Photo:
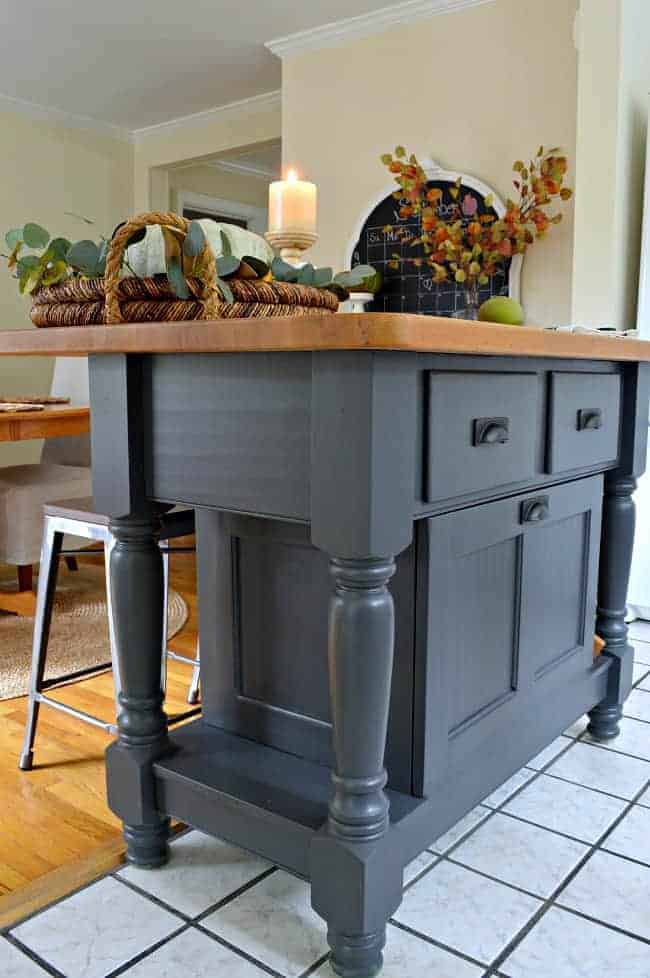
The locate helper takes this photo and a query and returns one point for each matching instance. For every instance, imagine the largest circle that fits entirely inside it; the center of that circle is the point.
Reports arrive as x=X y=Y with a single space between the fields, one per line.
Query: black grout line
x=232 y=896
x=628 y=859
x=585 y=738
x=153 y=899
x=629 y=716
x=552 y=899
x=436 y=858
x=495 y=879
x=580 y=784
x=79 y=889
x=548 y=902
x=164 y=905
x=188 y=922
x=603 y=923
x=239 y=951
x=66 y=896
x=546 y=828
x=49 y=969
x=121 y=969
x=439 y=944
x=491 y=812
x=313 y=968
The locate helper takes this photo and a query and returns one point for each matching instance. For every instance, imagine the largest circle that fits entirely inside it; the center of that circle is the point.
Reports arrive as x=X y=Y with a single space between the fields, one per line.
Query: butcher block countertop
x=347 y=331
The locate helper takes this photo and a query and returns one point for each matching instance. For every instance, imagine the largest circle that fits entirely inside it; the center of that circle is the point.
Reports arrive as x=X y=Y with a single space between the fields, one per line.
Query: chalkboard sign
x=412 y=289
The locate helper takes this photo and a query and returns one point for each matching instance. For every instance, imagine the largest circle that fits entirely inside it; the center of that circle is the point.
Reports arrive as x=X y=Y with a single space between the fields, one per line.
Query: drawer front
x=482 y=431
x=584 y=420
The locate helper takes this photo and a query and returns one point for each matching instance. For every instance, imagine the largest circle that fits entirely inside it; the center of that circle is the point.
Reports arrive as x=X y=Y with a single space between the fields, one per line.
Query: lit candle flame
x=292 y=176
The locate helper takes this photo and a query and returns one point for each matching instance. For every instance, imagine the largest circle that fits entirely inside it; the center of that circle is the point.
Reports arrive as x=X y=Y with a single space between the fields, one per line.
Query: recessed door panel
x=483 y=670
x=506 y=610
x=554 y=594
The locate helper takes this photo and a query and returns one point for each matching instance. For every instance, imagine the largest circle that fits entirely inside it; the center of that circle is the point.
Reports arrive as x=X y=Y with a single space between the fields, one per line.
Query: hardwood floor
x=56 y=830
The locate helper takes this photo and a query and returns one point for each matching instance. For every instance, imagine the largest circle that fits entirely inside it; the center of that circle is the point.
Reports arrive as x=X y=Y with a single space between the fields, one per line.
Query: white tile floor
x=548 y=878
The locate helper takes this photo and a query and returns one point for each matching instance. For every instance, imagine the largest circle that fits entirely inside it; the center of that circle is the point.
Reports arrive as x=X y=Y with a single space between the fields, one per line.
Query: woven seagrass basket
x=112 y=299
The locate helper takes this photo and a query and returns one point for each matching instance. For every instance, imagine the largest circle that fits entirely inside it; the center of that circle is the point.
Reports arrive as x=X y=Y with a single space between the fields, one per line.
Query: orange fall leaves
x=470 y=247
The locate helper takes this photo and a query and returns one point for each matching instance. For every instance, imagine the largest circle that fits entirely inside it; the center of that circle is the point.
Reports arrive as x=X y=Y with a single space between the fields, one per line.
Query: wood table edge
x=346 y=331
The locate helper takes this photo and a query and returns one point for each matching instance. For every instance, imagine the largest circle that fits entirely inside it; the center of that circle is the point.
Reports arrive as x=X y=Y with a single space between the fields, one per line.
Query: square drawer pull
x=535 y=510
x=491 y=431
x=590 y=419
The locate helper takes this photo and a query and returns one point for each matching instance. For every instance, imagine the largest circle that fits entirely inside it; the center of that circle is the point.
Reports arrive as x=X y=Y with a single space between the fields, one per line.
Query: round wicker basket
x=112 y=299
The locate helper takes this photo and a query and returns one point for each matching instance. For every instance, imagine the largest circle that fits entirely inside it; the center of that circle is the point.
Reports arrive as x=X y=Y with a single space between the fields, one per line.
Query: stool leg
x=193 y=694
x=50 y=550
x=25 y=577
x=109 y=543
x=165 y=560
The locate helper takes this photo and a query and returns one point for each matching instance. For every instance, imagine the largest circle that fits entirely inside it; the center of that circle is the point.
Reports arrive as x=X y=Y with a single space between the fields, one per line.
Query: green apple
x=501 y=309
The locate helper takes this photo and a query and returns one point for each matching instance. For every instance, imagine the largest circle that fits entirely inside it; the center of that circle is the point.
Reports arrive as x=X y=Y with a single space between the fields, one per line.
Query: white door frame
x=256 y=217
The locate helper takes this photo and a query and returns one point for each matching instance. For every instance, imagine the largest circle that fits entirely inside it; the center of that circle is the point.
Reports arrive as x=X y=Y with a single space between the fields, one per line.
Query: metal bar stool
x=77 y=519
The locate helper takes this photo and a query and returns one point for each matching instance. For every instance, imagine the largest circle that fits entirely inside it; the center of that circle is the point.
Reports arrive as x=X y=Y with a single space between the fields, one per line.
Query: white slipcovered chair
x=62 y=473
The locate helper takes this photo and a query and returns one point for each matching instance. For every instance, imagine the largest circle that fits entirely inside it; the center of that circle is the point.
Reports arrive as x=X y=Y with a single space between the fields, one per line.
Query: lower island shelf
x=250 y=794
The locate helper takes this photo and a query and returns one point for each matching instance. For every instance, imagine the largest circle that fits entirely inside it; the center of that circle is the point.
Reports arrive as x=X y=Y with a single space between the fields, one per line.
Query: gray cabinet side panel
x=231 y=431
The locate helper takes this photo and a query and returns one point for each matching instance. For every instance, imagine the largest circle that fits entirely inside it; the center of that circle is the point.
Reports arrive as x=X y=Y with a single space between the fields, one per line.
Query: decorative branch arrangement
x=469 y=248
x=38 y=261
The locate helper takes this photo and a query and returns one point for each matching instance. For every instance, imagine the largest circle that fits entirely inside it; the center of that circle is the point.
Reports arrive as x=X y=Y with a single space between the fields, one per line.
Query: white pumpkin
x=147 y=257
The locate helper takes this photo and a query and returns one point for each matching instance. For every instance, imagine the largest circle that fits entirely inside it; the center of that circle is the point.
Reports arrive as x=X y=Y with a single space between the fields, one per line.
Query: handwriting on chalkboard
x=387 y=238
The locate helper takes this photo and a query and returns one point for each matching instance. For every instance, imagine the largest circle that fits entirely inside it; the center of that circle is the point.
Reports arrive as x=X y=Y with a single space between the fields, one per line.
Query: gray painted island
x=409 y=531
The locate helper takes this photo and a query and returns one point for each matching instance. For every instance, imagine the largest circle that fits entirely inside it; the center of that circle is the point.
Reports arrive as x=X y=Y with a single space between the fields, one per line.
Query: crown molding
x=245 y=169
x=267 y=102
x=365 y=25
x=45 y=113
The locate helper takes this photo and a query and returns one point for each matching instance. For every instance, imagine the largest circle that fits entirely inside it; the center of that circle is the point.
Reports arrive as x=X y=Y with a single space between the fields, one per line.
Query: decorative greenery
x=36 y=270
x=185 y=257
x=470 y=248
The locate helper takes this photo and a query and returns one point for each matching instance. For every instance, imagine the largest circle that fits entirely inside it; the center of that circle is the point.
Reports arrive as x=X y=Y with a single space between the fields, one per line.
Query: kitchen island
x=409 y=530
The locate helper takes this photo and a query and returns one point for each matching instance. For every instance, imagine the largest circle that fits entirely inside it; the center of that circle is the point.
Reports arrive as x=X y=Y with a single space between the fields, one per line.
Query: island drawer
x=482 y=431
x=584 y=420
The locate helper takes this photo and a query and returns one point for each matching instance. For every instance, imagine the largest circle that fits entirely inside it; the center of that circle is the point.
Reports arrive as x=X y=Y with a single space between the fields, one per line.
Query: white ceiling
x=138 y=63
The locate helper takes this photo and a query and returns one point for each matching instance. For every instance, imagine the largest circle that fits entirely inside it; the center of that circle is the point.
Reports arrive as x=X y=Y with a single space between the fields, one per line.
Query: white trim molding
x=256 y=217
x=365 y=25
x=435 y=172
x=47 y=113
x=244 y=169
x=266 y=102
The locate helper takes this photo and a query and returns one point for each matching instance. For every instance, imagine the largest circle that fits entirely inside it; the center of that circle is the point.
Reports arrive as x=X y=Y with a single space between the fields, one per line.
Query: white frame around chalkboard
x=435 y=172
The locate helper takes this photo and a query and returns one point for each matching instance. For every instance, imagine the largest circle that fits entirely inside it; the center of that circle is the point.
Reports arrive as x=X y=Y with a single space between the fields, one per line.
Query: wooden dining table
x=54 y=421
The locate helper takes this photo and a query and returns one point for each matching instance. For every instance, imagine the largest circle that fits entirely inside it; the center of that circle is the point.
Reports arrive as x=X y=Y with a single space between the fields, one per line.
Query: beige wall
x=46 y=170
x=202 y=179
x=614 y=84
x=475 y=90
x=156 y=151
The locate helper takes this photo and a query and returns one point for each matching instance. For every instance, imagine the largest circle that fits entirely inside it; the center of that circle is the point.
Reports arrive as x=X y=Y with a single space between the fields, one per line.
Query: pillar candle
x=292 y=204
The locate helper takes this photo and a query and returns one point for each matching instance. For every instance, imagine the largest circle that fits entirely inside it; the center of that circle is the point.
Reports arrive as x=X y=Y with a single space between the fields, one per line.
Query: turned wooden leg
x=615 y=562
x=351 y=888
x=137 y=588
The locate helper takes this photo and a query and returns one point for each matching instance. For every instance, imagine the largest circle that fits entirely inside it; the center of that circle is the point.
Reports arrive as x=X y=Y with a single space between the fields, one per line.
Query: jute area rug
x=79 y=633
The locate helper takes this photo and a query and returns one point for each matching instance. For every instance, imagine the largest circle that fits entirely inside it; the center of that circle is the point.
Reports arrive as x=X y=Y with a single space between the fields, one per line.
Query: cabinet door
x=263 y=598
x=506 y=616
